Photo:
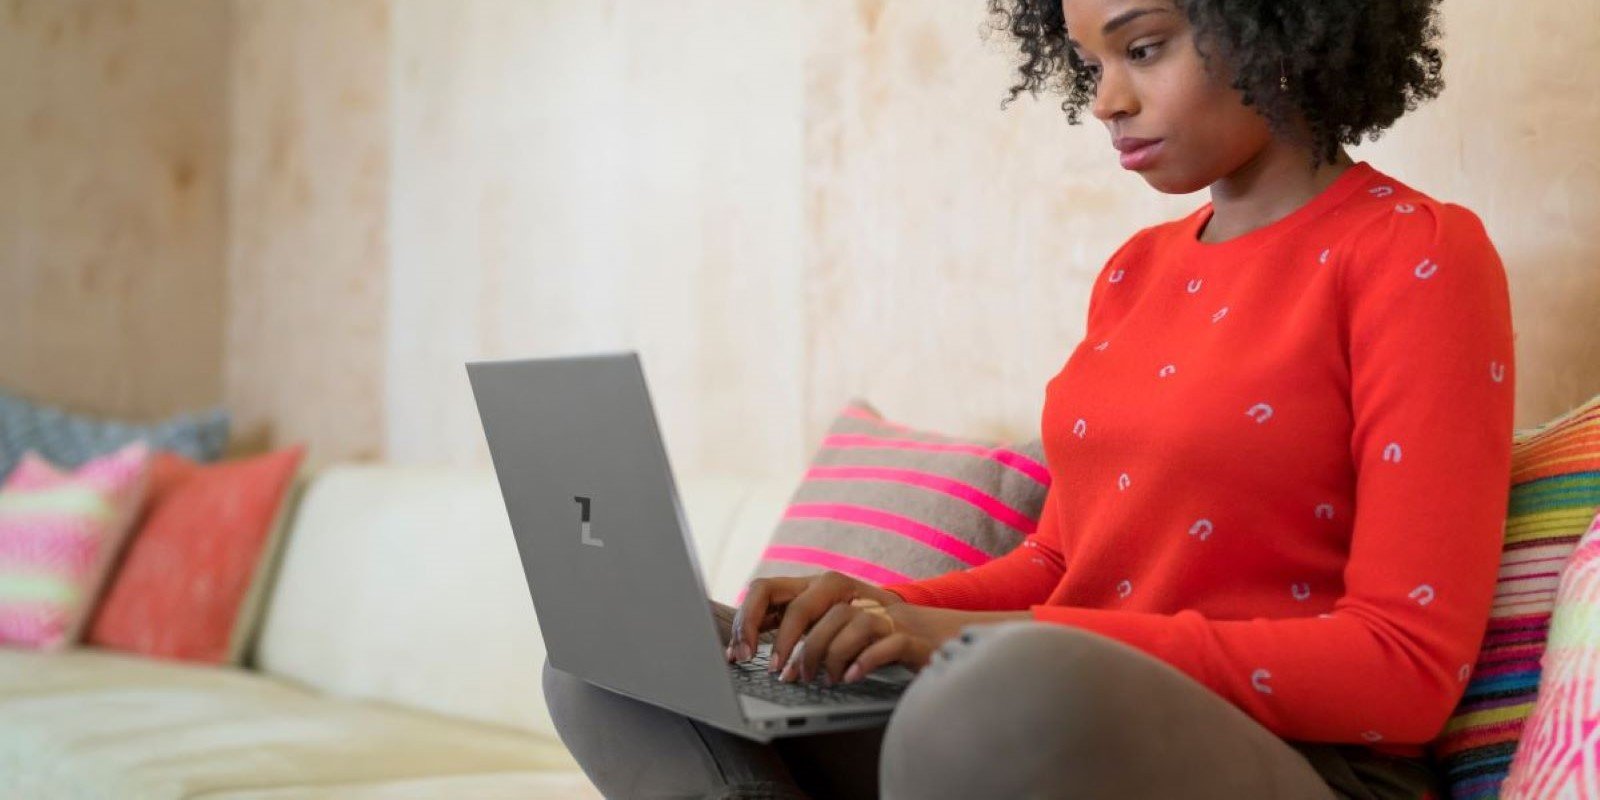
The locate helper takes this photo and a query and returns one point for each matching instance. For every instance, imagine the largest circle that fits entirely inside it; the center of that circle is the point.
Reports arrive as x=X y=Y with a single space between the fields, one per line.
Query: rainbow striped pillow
x=60 y=534
x=1557 y=755
x=1555 y=491
x=886 y=503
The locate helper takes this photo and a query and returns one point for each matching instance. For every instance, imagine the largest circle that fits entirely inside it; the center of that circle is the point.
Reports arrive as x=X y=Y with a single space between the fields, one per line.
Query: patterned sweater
x=1280 y=463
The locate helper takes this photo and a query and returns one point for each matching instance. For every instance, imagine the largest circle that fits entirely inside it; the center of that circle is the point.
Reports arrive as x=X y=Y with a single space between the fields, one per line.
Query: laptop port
x=795 y=723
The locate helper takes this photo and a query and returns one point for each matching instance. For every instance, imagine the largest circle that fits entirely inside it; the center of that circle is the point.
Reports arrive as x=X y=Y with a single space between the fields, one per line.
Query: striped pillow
x=886 y=503
x=60 y=534
x=1555 y=491
x=1557 y=755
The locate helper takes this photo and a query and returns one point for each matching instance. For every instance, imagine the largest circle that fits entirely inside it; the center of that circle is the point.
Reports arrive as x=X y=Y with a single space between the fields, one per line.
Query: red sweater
x=1281 y=463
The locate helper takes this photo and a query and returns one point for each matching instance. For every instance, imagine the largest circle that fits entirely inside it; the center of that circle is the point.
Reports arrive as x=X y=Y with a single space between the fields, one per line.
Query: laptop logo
x=583 y=506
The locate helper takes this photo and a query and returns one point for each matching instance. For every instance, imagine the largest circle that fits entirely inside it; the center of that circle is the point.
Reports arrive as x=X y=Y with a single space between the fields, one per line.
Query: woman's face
x=1151 y=83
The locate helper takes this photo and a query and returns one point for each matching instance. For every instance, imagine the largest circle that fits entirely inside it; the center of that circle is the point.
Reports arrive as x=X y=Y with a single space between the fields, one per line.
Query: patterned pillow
x=1557 y=755
x=886 y=503
x=183 y=588
x=59 y=536
x=69 y=440
x=1555 y=490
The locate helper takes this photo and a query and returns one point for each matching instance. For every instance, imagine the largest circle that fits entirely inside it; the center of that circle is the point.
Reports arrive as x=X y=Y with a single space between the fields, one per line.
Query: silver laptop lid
x=603 y=539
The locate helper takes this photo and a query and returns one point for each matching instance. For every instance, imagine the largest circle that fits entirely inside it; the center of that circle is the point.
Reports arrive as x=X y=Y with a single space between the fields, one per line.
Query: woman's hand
x=820 y=632
x=849 y=643
x=794 y=606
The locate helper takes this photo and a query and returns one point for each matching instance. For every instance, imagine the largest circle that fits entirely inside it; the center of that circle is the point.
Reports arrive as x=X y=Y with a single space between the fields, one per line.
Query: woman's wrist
x=880 y=594
x=907 y=618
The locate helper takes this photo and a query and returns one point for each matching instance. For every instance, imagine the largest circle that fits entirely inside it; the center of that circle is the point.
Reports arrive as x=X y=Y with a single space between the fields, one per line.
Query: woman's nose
x=1112 y=97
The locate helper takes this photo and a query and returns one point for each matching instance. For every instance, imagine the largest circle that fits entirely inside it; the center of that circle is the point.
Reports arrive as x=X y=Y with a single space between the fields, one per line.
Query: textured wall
x=112 y=148
x=780 y=204
x=308 y=224
x=575 y=176
x=594 y=176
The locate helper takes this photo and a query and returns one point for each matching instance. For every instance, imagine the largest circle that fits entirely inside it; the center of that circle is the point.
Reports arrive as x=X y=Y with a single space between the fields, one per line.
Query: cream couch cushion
x=89 y=723
x=403 y=584
x=397 y=585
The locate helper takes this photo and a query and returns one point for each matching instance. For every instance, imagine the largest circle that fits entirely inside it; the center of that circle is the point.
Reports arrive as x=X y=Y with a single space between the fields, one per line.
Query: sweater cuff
x=921 y=595
x=904 y=591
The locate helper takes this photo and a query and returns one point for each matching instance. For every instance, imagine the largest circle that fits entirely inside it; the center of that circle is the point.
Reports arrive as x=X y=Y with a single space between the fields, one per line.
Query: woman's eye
x=1135 y=51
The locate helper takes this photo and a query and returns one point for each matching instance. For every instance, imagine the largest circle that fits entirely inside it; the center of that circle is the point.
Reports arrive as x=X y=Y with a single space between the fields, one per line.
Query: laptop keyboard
x=752 y=678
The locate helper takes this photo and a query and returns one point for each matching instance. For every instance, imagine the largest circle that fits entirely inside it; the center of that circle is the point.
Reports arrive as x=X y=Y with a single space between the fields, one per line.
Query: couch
x=397 y=656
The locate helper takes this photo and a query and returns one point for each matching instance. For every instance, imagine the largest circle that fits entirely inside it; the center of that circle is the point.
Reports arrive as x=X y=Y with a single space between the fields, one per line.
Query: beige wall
x=780 y=204
x=940 y=257
x=308 y=224
x=574 y=176
x=112 y=154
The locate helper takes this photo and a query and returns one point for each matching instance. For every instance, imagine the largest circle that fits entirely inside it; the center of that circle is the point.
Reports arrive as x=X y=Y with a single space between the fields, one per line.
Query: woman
x=1279 y=466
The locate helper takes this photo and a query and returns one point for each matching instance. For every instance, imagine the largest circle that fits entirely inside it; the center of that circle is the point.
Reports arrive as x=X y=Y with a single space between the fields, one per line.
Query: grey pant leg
x=1038 y=710
x=631 y=749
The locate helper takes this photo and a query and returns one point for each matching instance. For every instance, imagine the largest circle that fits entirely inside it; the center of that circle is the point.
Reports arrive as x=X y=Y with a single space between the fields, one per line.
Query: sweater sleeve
x=1022 y=577
x=1428 y=337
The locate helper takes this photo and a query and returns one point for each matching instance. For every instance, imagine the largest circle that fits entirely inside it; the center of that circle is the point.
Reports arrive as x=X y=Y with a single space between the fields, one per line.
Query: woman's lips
x=1136 y=155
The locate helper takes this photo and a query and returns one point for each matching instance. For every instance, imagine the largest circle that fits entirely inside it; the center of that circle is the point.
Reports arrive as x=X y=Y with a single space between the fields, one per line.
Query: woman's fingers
x=763 y=603
x=810 y=652
x=819 y=594
x=900 y=648
x=798 y=617
x=859 y=633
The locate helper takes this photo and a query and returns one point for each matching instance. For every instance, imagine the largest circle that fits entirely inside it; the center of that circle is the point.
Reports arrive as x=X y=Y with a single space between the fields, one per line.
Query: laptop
x=606 y=550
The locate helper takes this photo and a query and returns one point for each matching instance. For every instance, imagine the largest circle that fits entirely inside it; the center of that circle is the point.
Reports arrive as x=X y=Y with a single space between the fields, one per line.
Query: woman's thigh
x=1017 y=709
x=1038 y=710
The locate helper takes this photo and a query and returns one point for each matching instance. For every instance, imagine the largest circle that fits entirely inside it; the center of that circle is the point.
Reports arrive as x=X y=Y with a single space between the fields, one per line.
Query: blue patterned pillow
x=70 y=440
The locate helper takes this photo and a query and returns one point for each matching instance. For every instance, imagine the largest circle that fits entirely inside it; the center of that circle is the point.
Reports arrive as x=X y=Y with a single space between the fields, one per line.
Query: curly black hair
x=1353 y=66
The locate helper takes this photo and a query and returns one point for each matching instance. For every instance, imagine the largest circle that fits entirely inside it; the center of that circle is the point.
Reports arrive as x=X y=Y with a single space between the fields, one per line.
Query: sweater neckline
x=1331 y=195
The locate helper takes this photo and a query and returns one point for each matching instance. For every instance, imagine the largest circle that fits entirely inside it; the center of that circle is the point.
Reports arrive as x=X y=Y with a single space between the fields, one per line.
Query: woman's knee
x=1002 y=710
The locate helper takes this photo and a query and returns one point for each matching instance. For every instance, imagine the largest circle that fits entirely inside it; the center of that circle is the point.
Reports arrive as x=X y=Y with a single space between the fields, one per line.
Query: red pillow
x=191 y=562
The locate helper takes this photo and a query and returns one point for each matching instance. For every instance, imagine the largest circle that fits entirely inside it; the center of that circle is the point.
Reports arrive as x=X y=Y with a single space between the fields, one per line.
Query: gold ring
x=874 y=607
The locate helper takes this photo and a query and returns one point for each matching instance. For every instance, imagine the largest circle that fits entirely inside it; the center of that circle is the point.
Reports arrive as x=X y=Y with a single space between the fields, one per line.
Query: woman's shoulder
x=1385 y=209
x=1387 y=219
x=1393 y=231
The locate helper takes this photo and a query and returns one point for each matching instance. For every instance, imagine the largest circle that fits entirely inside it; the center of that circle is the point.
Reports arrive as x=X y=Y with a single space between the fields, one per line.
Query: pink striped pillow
x=60 y=533
x=886 y=503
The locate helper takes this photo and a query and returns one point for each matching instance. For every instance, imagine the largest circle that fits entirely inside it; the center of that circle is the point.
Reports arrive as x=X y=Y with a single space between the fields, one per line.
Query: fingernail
x=788 y=672
x=775 y=664
x=852 y=674
x=727 y=653
x=744 y=651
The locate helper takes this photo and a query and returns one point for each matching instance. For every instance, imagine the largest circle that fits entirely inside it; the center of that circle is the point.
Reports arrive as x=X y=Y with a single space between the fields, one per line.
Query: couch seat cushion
x=96 y=723
x=498 y=786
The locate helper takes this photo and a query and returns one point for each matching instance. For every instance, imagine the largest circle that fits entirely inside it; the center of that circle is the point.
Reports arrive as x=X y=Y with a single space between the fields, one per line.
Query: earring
x=1283 y=79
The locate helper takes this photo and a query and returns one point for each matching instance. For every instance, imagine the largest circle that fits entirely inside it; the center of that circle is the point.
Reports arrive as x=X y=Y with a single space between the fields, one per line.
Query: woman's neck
x=1267 y=188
